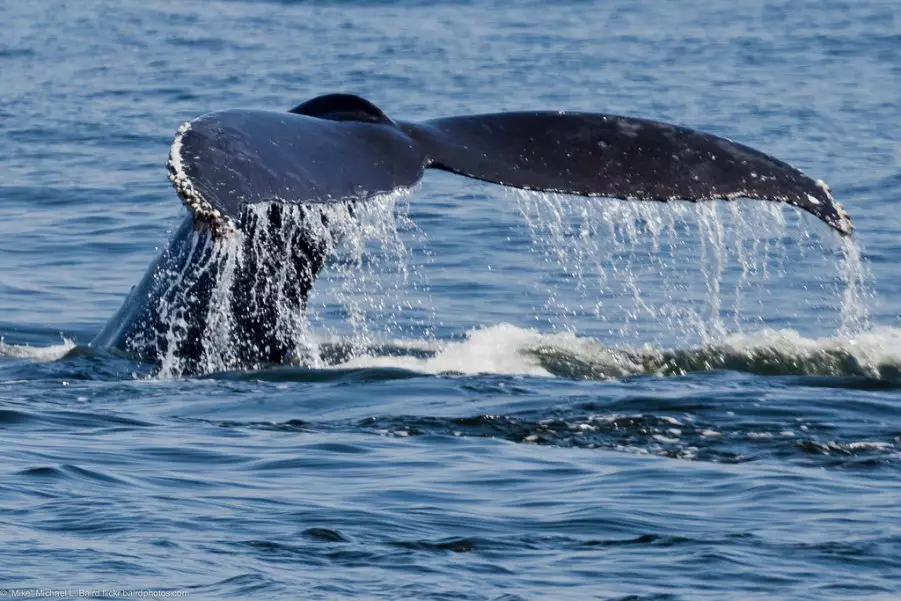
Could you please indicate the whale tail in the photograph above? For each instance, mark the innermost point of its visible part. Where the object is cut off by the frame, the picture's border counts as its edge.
(233, 308)
(342, 147)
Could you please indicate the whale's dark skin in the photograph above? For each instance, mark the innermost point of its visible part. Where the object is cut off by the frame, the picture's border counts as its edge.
(343, 149)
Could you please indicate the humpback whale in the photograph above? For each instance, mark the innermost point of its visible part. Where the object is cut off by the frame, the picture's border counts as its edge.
(245, 174)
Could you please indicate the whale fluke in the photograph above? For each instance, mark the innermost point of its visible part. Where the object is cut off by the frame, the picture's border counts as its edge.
(342, 147)
(213, 301)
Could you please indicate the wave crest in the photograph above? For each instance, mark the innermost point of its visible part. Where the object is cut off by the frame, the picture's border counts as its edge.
(507, 349)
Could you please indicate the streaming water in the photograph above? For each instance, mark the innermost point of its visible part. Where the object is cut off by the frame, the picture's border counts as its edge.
(373, 288)
(369, 283)
(373, 298)
(716, 263)
(856, 289)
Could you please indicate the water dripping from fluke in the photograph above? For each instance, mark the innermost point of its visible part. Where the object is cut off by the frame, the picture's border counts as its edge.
(637, 277)
(681, 274)
(245, 300)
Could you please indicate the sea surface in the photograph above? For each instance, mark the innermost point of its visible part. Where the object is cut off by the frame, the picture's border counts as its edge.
(507, 396)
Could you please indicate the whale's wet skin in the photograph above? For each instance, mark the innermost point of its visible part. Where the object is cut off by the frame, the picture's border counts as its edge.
(487, 393)
(240, 302)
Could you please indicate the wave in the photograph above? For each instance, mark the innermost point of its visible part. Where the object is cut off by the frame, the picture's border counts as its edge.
(505, 349)
(37, 354)
(509, 350)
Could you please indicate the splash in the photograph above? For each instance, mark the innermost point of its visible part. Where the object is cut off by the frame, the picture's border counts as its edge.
(500, 349)
(38, 354)
(509, 350)
(374, 287)
(248, 280)
(655, 277)
(856, 290)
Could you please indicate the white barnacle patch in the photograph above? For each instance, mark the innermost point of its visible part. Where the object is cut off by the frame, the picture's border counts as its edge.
(205, 215)
(813, 200)
(843, 221)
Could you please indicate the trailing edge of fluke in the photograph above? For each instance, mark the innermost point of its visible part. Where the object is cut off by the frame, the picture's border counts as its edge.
(342, 147)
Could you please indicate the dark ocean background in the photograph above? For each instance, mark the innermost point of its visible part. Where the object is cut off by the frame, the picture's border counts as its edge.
(514, 396)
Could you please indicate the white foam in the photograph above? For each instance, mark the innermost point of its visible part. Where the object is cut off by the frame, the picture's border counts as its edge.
(499, 349)
(38, 354)
(505, 349)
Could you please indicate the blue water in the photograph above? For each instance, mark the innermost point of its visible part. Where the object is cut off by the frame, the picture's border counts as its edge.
(512, 396)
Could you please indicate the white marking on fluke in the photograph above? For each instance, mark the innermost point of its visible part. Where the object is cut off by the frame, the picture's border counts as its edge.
(205, 215)
(844, 220)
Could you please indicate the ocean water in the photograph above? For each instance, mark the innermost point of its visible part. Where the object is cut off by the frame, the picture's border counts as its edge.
(507, 396)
